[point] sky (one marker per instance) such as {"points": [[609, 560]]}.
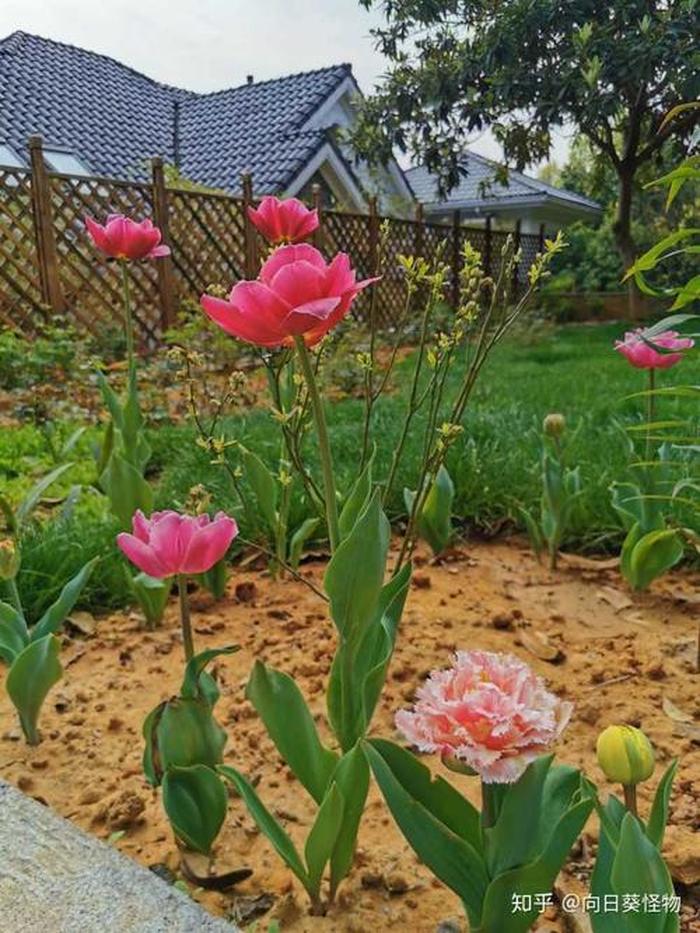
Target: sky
{"points": [[205, 45]]}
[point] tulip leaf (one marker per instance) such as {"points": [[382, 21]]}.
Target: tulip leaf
{"points": [[33, 497], [439, 824], [323, 835], [185, 733], [352, 778], [126, 489], [611, 816], [152, 595], [513, 839], [14, 635], [656, 826], [291, 727], [533, 878], [357, 499], [435, 520], [265, 487], [151, 756], [267, 824], [299, 539], [215, 579], [654, 554], [195, 801], [33, 673], [638, 868], [55, 615], [192, 686]]}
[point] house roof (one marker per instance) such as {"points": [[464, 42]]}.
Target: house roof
{"points": [[477, 190], [115, 119]]}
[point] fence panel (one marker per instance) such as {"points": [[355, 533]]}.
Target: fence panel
{"points": [[20, 285], [211, 243]]}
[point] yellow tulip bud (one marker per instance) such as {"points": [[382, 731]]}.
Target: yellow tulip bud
{"points": [[625, 755], [554, 425], [9, 559]]}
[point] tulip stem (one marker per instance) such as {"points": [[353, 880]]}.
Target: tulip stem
{"points": [[323, 443], [128, 319], [630, 792], [651, 408], [185, 616]]}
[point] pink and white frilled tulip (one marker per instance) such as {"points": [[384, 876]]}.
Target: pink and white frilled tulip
{"points": [[296, 294], [167, 543], [643, 356], [284, 221], [122, 238], [489, 711]]}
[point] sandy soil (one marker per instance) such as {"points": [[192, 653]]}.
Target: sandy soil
{"points": [[620, 658]]}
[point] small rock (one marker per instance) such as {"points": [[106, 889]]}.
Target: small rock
{"points": [[422, 581], [502, 621], [396, 883], [246, 591], [371, 879], [124, 810]]}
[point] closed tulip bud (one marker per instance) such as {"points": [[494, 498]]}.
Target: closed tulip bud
{"points": [[9, 559], [554, 425], [625, 755]]}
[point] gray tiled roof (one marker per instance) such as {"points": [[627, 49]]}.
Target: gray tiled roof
{"points": [[478, 188], [115, 119]]}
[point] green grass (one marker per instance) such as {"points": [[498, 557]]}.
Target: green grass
{"points": [[495, 464]]}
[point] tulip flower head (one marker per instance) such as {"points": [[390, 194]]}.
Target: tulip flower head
{"points": [[296, 294], [169, 544], [489, 711], [287, 221], [625, 755], [643, 356], [126, 239]]}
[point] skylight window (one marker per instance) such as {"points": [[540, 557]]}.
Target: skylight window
{"points": [[64, 162], [9, 157]]}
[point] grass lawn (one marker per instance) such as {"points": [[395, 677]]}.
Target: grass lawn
{"points": [[572, 370]]}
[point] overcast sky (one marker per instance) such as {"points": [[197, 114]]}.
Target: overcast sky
{"points": [[205, 45]]}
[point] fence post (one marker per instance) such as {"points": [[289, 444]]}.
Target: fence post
{"points": [[456, 255], [164, 266], [42, 211], [516, 249], [317, 204], [251, 240], [540, 247], [488, 247], [373, 235], [419, 247]]}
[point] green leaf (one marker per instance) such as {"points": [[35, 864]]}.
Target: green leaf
{"points": [[33, 497], [352, 778], [533, 530], [299, 539], [264, 486], [111, 400], [215, 579], [611, 816], [126, 489], [195, 801], [152, 595], [323, 835], [357, 499], [291, 727], [192, 682], [14, 635], [267, 824], [355, 573], [71, 441], [533, 878], [654, 554], [435, 520], [638, 868], [513, 839], [440, 825], [656, 825], [34, 672], [55, 615], [182, 733]]}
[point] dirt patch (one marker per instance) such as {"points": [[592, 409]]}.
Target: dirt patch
{"points": [[618, 657]]}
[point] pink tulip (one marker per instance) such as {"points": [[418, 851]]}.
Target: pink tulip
{"points": [[296, 294], [123, 238], [287, 221], [168, 543], [489, 711], [641, 355]]}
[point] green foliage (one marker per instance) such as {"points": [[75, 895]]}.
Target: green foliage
{"points": [[195, 801], [27, 360], [435, 520], [519, 850], [151, 594]]}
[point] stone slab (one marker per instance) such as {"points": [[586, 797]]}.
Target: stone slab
{"points": [[54, 878]]}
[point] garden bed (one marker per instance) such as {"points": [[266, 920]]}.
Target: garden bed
{"points": [[618, 657]]}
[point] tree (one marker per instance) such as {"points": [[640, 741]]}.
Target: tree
{"points": [[523, 67]]}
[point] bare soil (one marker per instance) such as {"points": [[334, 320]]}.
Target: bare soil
{"points": [[620, 657]]}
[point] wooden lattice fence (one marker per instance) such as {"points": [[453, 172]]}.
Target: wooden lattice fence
{"points": [[49, 266]]}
